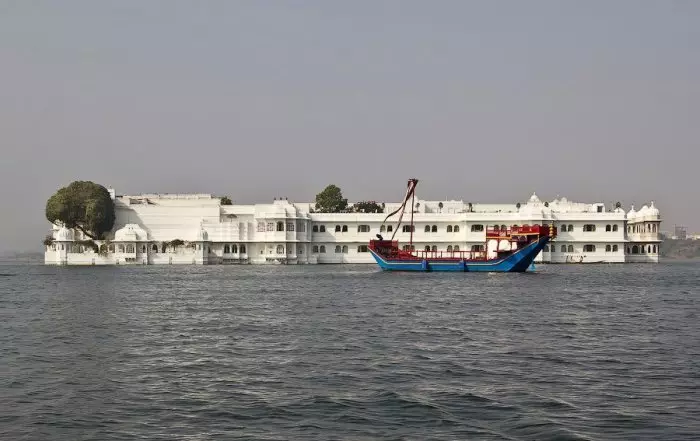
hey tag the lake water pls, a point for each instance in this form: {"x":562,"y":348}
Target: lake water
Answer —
{"x":347,"y":352}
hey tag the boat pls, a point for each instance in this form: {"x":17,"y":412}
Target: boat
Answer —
{"x":515,"y":251}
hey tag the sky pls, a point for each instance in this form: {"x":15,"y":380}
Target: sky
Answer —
{"x":484,"y":101}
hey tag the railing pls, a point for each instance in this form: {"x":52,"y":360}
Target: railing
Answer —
{"x":461,"y":255}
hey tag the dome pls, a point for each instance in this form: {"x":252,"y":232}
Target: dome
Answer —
{"x":64,"y":235}
{"x":632,"y":213}
{"x":202,"y":235}
{"x":644,"y":211}
{"x":653,"y":211}
{"x":130,"y":233}
{"x":534,"y":199}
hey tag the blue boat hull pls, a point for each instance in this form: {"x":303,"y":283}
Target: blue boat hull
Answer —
{"x":520,"y":261}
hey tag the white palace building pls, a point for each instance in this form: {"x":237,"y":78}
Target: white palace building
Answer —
{"x":207,"y":232}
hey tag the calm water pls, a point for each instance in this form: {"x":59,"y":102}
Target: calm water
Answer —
{"x":346,"y":352}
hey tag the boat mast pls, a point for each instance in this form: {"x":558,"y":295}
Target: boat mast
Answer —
{"x":410,"y":240}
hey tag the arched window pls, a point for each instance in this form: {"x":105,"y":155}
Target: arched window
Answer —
{"x":345,"y":249}
{"x":635,"y":249}
{"x":434,"y":248}
{"x":143,"y":248}
{"x":243,"y":249}
{"x":653,"y":228}
{"x":449,"y":248}
{"x":570,"y":249}
{"x":608,"y":248}
{"x":427,"y":228}
{"x":563,"y":248}
{"x":314,"y":249}
{"x":589,"y":228}
{"x":382,"y":229}
{"x":234,"y":248}
{"x":614,"y":227}
{"x":130,"y":249}
{"x":649,"y":249}
{"x":338,"y":249}
{"x":433,"y":229}
{"x":503,"y":228}
{"x":546,"y":249}
{"x":449,"y":228}
{"x":363,"y":228}
{"x":154,"y":248}
{"x":589,"y":248}
{"x":456,"y":229}
{"x":322,"y":249}
{"x":280,"y":226}
{"x":496,"y":228}
{"x":322,"y":228}
{"x":407,"y":228}
{"x":479,"y":248}
{"x":571,"y":228}
{"x":163,"y":247}
{"x":608,"y":228}
{"x":314,"y":229}
{"x":362,"y":249}
{"x":654,"y":249}
{"x":614,"y":248}
{"x":476,"y":228}
{"x":553,"y":248}
{"x":456,"y":248}
{"x":227,"y":249}
{"x":337,"y":228}
{"x":280,"y":249}
{"x":345,"y":228}
{"x":389,"y":228}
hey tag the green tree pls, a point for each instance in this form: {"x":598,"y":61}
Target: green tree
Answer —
{"x":331,"y":200}
{"x":367,"y":207}
{"x":83,"y":205}
{"x":225,"y":200}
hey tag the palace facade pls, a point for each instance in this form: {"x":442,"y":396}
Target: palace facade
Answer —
{"x":198,"y":229}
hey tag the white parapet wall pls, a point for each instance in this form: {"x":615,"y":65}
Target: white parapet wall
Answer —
{"x":196,"y":229}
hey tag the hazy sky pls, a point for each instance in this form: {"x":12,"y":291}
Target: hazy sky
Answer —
{"x":483,"y":101}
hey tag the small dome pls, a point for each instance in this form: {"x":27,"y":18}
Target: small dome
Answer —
{"x":64,"y":235}
{"x":130,"y":233}
{"x":632,"y":213}
{"x":202,"y":235}
{"x":653,"y":211}
{"x":534,"y":199}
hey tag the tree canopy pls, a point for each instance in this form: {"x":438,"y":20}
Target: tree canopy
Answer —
{"x":225,"y":200}
{"x":368,"y":207}
{"x":83,"y":205}
{"x":331,"y":200}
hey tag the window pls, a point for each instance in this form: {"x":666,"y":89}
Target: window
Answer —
{"x":345,"y":249}
{"x":648,"y":248}
{"x":570,"y":249}
{"x":600,"y":209}
{"x":337,"y":228}
{"x":322,"y":249}
{"x":589,"y":248}
{"x":130,"y":249}
{"x":546,"y":249}
{"x":315,"y":249}
{"x":234,"y":249}
{"x":363,"y":228}
{"x":345,"y":228}
{"x":154,"y":248}
{"x":242,"y":249}
{"x":280,"y":249}
{"x":456,"y":229}
{"x":449,"y":228}
{"x":571,"y":228}
{"x":280,"y":226}
{"x":654,"y":249}
{"x":427,"y":248}
{"x":362,"y":249}
{"x":608,"y":228}
{"x":409,"y":248}
{"x":338,"y":249}
{"x":563,"y":248}
{"x":589,"y":228}
{"x":408,"y":229}
{"x":270,"y":226}
{"x":477,"y":248}
{"x":163,"y":247}
{"x":614,"y":227}
{"x":434,"y":248}
{"x":261,"y":227}
{"x":433,"y":229}
{"x":322,"y":228}
{"x":427,"y":228}
{"x":449,"y":248}
{"x":614,"y":248}
{"x":227,"y":249}
{"x":608,"y":248}
{"x":300,"y":250}
{"x":553,"y":248}
{"x":382,"y":229}
{"x":314,"y":229}
{"x":290,"y":226}
{"x":477,"y":228}
{"x":456,"y":248}
{"x":389,"y":228}
{"x":290,"y":250}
